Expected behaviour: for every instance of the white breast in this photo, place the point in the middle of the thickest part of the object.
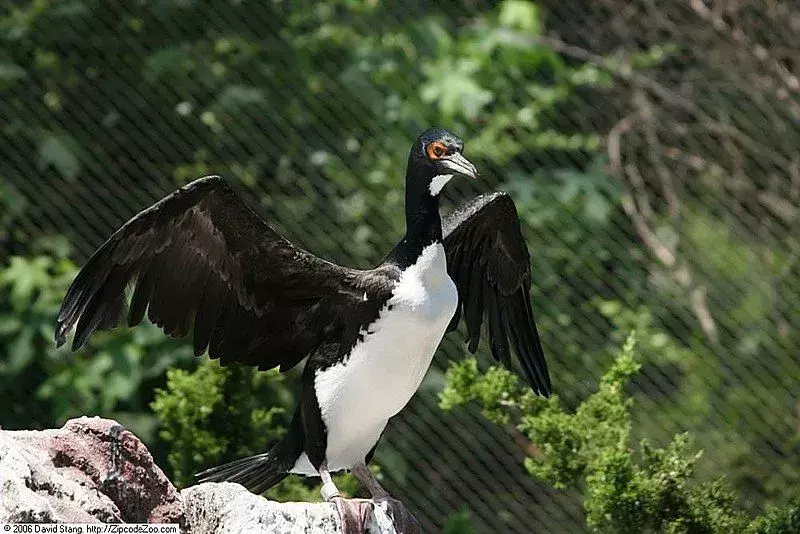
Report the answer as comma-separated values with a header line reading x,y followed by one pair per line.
x,y
358,396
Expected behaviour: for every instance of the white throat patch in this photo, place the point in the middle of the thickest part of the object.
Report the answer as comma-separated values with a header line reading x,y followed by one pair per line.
x,y
438,183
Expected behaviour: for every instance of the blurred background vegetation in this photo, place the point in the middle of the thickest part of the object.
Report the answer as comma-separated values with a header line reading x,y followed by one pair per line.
x,y
651,148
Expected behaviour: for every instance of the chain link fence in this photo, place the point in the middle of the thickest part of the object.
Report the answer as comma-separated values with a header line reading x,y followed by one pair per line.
x,y
651,147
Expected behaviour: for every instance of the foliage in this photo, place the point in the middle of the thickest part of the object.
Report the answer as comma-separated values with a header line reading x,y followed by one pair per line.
x,y
626,490
459,523
111,378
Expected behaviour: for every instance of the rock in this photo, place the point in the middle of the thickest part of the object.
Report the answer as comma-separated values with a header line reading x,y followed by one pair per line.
x,y
93,470
225,508
217,508
90,470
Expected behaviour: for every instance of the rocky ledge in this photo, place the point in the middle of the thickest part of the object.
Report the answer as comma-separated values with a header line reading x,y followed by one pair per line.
x,y
93,470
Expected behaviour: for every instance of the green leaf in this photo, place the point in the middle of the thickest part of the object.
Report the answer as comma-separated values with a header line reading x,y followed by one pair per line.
x,y
596,206
21,351
522,15
59,150
454,87
173,60
239,96
569,191
10,72
56,245
9,324
76,8
459,522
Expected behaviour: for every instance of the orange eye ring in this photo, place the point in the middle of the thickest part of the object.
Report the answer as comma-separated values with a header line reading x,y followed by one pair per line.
x,y
436,150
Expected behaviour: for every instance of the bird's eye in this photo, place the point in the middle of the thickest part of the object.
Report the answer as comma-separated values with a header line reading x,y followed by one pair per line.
x,y
436,150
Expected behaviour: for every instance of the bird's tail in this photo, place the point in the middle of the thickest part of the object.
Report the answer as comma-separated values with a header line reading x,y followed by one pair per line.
x,y
260,472
256,473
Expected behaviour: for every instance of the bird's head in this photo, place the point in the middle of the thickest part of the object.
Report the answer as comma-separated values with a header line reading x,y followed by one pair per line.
x,y
435,158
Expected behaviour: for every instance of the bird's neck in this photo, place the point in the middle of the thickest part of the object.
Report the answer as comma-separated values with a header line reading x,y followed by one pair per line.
x,y
423,222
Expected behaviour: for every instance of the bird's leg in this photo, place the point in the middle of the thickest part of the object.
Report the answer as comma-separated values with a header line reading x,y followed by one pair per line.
x,y
354,513
365,476
404,522
329,489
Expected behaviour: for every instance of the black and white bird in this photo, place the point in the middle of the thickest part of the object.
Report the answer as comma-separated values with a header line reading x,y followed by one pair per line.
x,y
202,261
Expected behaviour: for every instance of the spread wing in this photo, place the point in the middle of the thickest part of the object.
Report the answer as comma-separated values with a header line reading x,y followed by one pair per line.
x,y
488,260
201,260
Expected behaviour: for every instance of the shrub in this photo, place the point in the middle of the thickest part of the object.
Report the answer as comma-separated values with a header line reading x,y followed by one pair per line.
x,y
625,488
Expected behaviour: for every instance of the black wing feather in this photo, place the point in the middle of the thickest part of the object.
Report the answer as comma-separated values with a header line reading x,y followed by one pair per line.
x,y
497,334
202,260
490,264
